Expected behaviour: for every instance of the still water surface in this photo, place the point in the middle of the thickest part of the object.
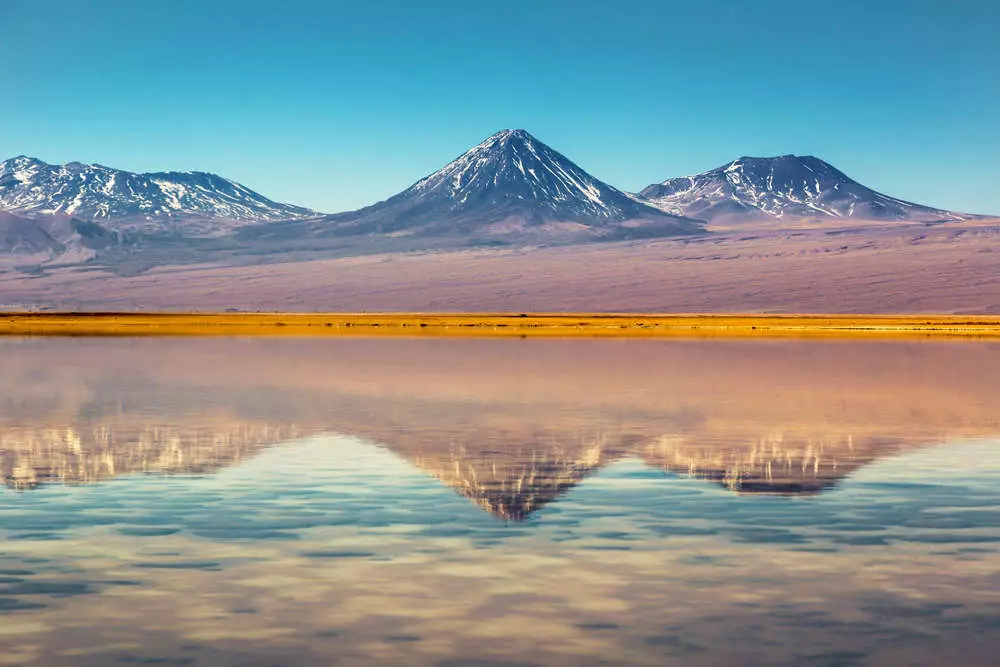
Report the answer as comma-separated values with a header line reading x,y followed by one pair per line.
x,y
499,502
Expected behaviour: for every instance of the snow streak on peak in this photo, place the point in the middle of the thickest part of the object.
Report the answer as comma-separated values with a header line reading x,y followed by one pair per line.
x,y
778,187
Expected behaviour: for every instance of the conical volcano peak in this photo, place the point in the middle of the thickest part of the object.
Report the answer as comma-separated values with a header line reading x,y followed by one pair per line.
x,y
511,135
504,141
512,170
511,186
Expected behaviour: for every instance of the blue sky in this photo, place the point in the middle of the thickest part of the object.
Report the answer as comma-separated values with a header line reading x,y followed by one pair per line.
x,y
335,105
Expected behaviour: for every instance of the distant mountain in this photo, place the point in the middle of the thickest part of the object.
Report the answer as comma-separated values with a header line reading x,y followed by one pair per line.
x,y
129,200
509,188
788,186
50,237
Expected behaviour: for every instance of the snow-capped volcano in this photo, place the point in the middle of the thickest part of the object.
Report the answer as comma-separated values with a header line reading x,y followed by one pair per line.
x,y
511,168
787,186
512,185
96,192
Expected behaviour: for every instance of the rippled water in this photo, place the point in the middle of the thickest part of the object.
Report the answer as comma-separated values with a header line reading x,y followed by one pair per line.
x,y
499,502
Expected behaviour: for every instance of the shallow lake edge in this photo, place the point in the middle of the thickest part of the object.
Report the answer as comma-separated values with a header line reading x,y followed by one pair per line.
x,y
495,325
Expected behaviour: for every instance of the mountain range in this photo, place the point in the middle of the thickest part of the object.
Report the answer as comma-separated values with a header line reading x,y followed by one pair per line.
x,y
783,187
511,427
511,189
128,200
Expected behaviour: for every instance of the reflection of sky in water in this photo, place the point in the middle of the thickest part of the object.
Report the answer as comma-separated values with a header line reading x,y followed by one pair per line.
x,y
334,549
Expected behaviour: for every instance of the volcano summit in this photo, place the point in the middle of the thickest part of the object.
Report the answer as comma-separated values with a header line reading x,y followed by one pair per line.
x,y
509,188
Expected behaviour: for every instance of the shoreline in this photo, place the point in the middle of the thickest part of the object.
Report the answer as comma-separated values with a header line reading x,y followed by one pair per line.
x,y
569,325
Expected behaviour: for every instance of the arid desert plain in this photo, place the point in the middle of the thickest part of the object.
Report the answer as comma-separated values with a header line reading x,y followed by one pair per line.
x,y
861,268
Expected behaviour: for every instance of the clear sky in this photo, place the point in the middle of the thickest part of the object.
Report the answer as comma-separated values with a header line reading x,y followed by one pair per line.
x,y
334,104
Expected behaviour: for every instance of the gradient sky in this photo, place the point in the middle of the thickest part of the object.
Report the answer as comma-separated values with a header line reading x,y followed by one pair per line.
x,y
335,104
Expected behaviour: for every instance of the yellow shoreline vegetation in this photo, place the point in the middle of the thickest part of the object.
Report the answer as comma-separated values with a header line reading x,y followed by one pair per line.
x,y
495,324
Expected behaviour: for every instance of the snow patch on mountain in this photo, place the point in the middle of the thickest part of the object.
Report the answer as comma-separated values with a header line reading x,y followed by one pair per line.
x,y
787,186
100,193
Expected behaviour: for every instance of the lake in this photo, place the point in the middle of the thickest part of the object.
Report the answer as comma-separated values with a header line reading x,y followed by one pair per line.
x,y
487,503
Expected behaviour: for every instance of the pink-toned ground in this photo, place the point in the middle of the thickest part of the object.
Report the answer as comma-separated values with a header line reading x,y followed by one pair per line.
x,y
910,268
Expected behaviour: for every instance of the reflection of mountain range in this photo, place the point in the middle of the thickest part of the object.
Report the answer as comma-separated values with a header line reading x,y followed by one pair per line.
x,y
512,483
509,424
775,464
74,454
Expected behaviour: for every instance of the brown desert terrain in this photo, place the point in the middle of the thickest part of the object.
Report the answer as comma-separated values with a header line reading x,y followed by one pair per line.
x,y
878,268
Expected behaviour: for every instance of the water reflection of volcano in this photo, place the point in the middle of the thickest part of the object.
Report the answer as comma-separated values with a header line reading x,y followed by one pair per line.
x,y
512,483
776,463
509,424
508,473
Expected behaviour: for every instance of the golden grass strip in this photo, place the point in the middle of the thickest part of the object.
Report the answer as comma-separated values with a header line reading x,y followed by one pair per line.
x,y
494,325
